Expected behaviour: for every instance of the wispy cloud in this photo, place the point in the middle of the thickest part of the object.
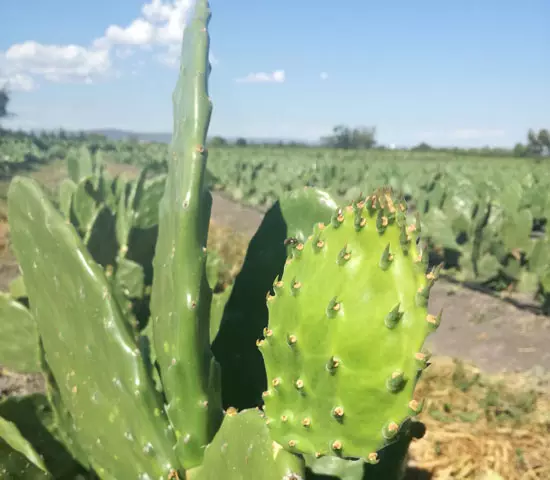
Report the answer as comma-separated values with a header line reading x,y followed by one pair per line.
x,y
277,76
18,83
158,28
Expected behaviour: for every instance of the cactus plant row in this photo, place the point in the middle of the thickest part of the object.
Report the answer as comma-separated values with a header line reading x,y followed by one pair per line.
x,y
310,370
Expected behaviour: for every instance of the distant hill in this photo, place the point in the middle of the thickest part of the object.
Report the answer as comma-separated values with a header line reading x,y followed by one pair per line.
x,y
116,134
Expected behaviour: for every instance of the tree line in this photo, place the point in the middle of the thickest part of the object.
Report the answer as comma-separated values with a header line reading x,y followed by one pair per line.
x,y
358,138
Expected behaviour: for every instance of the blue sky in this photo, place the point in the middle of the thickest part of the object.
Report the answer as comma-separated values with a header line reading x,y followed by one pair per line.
x,y
469,72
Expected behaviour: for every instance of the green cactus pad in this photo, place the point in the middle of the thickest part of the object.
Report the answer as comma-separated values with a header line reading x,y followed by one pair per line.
x,y
19,337
346,327
61,419
18,458
129,277
180,294
242,449
80,164
33,417
100,238
84,206
219,300
147,212
17,288
85,335
66,192
245,314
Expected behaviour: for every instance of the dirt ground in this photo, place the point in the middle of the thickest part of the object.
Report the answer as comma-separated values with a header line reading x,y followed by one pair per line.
x,y
495,335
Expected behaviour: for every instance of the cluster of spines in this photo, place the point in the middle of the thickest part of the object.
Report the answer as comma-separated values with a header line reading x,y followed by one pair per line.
x,y
382,208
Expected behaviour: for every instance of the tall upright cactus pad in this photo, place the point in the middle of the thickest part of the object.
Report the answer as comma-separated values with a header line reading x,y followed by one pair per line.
x,y
346,327
103,382
181,296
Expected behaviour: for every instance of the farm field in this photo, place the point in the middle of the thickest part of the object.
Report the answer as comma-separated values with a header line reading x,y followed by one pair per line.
x,y
486,220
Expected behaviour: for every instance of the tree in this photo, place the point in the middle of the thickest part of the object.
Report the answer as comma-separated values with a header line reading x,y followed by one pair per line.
x,y
218,141
4,100
544,140
347,138
241,142
538,143
422,147
521,150
533,145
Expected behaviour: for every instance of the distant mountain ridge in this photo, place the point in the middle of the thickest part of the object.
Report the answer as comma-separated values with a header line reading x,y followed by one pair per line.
x,y
116,134
161,137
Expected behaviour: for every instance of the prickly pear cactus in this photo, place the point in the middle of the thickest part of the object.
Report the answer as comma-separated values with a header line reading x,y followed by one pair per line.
x,y
242,449
347,323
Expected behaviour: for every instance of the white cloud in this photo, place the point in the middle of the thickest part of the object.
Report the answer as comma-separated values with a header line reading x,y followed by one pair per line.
x,y
161,24
277,76
18,83
159,28
139,32
56,63
323,75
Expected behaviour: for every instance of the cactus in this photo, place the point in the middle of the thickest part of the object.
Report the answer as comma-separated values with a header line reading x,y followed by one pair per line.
x,y
243,449
346,327
181,296
17,455
19,339
344,318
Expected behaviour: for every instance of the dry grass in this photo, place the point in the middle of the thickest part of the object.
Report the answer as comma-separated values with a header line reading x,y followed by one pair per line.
x,y
476,423
231,248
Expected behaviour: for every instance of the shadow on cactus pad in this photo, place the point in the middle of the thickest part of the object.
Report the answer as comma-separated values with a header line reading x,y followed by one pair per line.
x,y
245,315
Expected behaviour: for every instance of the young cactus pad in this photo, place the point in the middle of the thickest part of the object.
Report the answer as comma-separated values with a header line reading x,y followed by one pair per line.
x,y
346,326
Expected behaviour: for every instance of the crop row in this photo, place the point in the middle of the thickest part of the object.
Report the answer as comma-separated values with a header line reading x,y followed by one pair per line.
x,y
486,219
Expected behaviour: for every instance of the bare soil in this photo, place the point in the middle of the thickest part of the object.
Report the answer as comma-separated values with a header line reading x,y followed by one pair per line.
x,y
497,336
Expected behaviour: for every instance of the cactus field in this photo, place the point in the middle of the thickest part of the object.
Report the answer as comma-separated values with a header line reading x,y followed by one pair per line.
x,y
175,312
485,218
494,307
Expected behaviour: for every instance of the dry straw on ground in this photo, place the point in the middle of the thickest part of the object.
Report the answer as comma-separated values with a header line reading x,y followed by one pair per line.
x,y
477,424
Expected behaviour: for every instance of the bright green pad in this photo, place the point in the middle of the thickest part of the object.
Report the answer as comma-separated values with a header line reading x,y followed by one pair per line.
x,y
18,338
243,450
84,336
367,352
